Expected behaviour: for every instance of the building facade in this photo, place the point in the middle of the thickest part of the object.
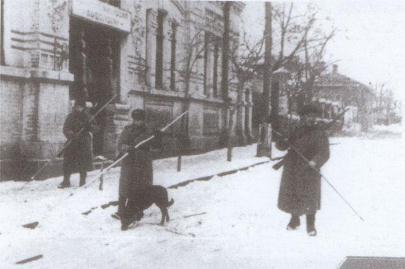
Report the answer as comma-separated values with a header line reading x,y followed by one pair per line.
x,y
335,92
162,56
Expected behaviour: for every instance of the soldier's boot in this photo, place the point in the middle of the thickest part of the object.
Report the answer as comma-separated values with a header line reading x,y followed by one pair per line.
x,y
66,181
121,206
83,176
294,223
311,230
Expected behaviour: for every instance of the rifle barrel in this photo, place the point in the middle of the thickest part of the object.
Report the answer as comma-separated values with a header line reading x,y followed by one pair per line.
x,y
135,147
70,140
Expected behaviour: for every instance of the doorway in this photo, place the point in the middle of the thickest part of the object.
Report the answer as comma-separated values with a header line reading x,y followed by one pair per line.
x,y
94,59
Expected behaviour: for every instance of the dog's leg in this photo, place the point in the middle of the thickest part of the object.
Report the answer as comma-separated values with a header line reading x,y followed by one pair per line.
x,y
163,210
167,215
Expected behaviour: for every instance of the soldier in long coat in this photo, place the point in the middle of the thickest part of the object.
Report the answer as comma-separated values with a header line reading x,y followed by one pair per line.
x,y
136,168
300,188
78,155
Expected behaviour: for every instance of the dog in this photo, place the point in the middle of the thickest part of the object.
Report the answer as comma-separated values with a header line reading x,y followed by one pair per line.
x,y
143,199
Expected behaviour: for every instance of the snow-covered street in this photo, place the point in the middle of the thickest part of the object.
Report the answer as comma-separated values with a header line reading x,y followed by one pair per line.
x,y
227,222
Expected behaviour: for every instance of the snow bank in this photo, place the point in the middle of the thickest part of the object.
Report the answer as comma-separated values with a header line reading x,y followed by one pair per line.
x,y
235,222
393,128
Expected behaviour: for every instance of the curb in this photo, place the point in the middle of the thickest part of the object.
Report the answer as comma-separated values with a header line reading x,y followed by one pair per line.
x,y
186,182
220,174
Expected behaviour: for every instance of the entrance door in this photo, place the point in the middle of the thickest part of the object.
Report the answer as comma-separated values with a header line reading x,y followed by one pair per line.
x,y
97,71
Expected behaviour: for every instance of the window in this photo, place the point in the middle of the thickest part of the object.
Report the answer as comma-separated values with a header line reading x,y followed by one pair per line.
x,y
206,55
173,58
158,113
211,69
159,49
210,123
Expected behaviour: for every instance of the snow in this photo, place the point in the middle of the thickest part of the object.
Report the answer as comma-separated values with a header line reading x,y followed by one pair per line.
x,y
236,222
392,128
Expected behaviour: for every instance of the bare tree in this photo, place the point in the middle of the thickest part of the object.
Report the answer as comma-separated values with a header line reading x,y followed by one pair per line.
x,y
304,72
299,45
302,33
385,103
244,68
195,44
291,31
194,47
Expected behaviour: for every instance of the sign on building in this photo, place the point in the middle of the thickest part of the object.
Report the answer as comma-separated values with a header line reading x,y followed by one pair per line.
x,y
102,13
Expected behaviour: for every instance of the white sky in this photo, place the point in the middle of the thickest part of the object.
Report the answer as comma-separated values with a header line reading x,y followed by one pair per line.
x,y
370,43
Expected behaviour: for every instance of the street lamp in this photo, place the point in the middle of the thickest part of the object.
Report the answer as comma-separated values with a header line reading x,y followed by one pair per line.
x,y
280,77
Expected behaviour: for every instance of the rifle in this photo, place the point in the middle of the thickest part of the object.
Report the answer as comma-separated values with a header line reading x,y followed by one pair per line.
x,y
120,158
279,164
68,142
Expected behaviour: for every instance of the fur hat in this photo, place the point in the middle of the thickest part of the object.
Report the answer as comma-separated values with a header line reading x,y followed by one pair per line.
x,y
138,114
308,109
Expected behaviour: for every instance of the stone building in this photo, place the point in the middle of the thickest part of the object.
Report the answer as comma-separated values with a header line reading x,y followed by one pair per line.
x,y
163,56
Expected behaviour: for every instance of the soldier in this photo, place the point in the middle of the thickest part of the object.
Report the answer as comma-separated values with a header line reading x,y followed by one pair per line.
x,y
78,155
136,169
300,188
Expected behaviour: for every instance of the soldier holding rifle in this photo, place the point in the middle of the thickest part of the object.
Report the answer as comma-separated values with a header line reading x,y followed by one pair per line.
x,y
78,155
136,169
300,187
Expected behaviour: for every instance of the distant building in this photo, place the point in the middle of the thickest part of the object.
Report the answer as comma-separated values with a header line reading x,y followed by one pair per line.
x,y
54,52
334,92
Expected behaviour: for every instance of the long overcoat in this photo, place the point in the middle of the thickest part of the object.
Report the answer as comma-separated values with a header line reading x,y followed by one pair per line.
x,y
300,187
136,168
78,155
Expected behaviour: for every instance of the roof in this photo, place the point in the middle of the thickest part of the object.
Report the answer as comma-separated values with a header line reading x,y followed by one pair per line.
x,y
335,79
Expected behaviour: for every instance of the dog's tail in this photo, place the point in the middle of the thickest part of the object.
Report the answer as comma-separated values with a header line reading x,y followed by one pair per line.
x,y
170,202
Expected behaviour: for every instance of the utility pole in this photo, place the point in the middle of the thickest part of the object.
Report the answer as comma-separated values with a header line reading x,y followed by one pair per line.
x,y
225,50
2,61
264,145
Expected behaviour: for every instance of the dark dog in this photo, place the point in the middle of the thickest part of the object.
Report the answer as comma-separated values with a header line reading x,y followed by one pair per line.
x,y
142,200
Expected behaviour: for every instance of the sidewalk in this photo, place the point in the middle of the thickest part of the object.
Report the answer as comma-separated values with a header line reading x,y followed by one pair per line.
x,y
44,195
194,167
204,166
197,167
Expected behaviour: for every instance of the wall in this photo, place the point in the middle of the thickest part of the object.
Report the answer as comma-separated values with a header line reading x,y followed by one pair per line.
x,y
10,115
35,81
33,106
139,80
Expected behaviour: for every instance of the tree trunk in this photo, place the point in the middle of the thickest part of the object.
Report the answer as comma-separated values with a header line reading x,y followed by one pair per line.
x,y
183,139
229,132
239,114
225,70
